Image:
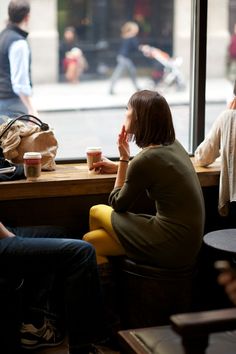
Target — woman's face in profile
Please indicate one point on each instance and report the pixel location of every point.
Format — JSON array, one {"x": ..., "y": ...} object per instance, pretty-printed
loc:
[{"x": 128, "y": 119}]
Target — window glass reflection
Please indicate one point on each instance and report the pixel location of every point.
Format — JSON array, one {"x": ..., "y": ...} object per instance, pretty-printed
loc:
[{"x": 162, "y": 65}]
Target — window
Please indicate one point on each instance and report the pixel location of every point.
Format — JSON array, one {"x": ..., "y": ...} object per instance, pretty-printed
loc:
[
  {"x": 221, "y": 68},
  {"x": 164, "y": 25},
  {"x": 176, "y": 27}
]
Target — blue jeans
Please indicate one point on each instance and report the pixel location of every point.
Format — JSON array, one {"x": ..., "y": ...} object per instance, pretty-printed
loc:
[
  {"x": 38, "y": 300},
  {"x": 12, "y": 107},
  {"x": 124, "y": 64},
  {"x": 74, "y": 264}
]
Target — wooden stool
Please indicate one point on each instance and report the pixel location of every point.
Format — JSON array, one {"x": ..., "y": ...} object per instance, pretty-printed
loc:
[
  {"x": 149, "y": 295},
  {"x": 217, "y": 245},
  {"x": 222, "y": 240}
]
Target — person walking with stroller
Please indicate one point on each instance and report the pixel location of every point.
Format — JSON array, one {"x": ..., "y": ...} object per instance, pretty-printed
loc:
[
  {"x": 166, "y": 69},
  {"x": 129, "y": 45}
]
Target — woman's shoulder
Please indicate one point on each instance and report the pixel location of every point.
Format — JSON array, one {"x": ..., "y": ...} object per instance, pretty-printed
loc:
[
  {"x": 160, "y": 156},
  {"x": 150, "y": 152},
  {"x": 226, "y": 116}
]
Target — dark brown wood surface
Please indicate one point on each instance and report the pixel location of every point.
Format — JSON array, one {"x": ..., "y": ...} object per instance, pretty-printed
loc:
[{"x": 75, "y": 180}]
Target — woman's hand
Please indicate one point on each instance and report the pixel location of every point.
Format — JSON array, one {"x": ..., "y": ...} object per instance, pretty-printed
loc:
[
  {"x": 124, "y": 151},
  {"x": 123, "y": 144},
  {"x": 228, "y": 280},
  {"x": 4, "y": 232},
  {"x": 105, "y": 166}
]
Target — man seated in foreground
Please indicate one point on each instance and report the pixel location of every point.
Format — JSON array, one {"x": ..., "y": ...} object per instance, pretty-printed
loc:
[{"x": 25, "y": 254}]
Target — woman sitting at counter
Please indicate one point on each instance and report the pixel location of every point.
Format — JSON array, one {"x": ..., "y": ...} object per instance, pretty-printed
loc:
[{"x": 221, "y": 141}]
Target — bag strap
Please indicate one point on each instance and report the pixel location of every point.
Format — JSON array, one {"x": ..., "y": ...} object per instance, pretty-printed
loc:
[{"x": 26, "y": 117}]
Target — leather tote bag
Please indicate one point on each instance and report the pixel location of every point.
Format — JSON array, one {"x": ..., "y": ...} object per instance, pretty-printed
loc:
[{"x": 28, "y": 133}]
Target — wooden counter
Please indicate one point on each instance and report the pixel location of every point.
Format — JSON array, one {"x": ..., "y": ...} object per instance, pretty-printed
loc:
[
  {"x": 64, "y": 197},
  {"x": 75, "y": 180},
  {"x": 208, "y": 176},
  {"x": 67, "y": 180}
]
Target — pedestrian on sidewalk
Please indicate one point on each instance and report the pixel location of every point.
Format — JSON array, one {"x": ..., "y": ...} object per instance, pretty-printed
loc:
[
  {"x": 72, "y": 60},
  {"x": 129, "y": 45},
  {"x": 15, "y": 62}
]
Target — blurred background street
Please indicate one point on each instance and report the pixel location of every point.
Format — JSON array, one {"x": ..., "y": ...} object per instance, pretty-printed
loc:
[{"x": 85, "y": 114}]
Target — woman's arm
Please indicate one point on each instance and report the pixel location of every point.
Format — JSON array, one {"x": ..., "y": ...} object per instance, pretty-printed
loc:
[
  {"x": 130, "y": 182},
  {"x": 137, "y": 181},
  {"x": 209, "y": 149},
  {"x": 124, "y": 151}
]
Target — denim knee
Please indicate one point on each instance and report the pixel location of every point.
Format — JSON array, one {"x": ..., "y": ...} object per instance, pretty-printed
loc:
[{"x": 84, "y": 251}]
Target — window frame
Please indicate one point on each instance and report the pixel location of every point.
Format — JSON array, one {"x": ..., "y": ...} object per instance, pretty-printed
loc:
[{"x": 198, "y": 58}]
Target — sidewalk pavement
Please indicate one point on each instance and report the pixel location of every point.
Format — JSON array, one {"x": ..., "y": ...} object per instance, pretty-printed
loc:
[{"x": 88, "y": 95}]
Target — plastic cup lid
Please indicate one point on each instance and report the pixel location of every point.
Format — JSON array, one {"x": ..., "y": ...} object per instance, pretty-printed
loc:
[
  {"x": 94, "y": 148},
  {"x": 32, "y": 155}
]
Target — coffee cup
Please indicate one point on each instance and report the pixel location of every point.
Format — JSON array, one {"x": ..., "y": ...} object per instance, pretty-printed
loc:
[
  {"x": 94, "y": 154},
  {"x": 32, "y": 165}
]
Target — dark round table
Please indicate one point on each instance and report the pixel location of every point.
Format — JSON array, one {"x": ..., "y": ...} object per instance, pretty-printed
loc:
[{"x": 223, "y": 240}]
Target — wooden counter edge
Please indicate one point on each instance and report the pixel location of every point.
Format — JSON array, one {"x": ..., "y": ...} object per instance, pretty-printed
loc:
[{"x": 56, "y": 183}]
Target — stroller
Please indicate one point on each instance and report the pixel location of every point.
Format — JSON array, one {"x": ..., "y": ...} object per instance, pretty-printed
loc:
[{"x": 166, "y": 70}]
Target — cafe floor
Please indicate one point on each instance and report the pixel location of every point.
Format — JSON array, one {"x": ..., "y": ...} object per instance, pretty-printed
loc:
[{"x": 63, "y": 349}]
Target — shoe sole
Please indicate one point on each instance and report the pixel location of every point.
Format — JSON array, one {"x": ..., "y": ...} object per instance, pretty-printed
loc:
[{"x": 41, "y": 345}]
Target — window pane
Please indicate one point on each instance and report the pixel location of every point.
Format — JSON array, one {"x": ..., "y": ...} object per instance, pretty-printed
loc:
[
  {"x": 163, "y": 24},
  {"x": 221, "y": 66},
  {"x": 91, "y": 115}
]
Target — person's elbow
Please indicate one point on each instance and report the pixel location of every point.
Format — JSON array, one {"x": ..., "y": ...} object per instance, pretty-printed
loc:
[
  {"x": 205, "y": 155},
  {"x": 24, "y": 90},
  {"x": 117, "y": 205},
  {"x": 200, "y": 160}
]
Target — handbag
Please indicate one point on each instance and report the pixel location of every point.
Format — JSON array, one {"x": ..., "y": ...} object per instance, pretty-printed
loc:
[
  {"x": 17, "y": 173},
  {"x": 16, "y": 138}
]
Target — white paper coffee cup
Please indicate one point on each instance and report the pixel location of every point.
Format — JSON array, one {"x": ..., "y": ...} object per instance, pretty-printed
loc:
[
  {"x": 94, "y": 154},
  {"x": 32, "y": 165}
]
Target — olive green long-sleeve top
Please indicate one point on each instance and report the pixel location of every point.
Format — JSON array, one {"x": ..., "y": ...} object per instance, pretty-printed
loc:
[{"x": 171, "y": 238}]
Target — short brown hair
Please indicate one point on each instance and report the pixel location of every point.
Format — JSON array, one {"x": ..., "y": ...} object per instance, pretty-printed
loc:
[
  {"x": 152, "y": 120},
  {"x": 18, "y": 10}
]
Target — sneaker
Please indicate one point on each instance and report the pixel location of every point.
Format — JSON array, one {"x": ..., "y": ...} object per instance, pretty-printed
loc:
[{"x": 46, "y": 336}]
